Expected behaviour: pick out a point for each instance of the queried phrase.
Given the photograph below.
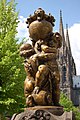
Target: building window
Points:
(64, 73)
(78, 83)
(75, 86)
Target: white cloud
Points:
(74, 35)
(22, 28)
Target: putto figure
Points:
(41, 86)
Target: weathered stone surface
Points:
(44, 113)
(56, 110)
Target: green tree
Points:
(12, 72)
(68, 106)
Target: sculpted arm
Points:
(26, 50)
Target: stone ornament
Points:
(43, 115)
(34, 115)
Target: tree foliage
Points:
(12, 72)
(68, 106)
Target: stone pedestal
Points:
(44, 113)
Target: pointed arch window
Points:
(64, 73)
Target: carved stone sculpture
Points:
(41, 86)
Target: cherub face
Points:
(39, 12)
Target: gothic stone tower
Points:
(66, 62)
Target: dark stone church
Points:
(68, 68)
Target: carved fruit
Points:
(40, 29)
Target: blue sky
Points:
(70, 9)
(71, 16)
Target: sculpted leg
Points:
(56, 88)
(30, 101)
(41, 93)
(41, 75)
(42, 98)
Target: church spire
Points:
(68, 41)
(71, 69)
(62, 53)
(61, 31)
